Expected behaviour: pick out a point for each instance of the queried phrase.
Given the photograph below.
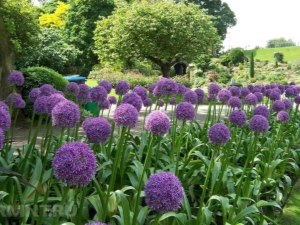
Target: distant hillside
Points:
(290, 53)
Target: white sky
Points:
(261, 20)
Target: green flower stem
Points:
(83, 193)
(13, 128)
(177, 146)
(157, 217)
(100, 194)
(220, 112)
(208, 116)
(11, 109)
(171, 153)
(111, 138)
(63, 200)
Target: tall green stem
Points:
(62, 202)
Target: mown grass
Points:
(290, 53)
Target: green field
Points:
(290, 53)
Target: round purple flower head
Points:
(157, 122)
(2, 138)
(83, 94)
(166, 87)
(133, 99)
(238, 117)
(107, 85)
(191, 97)
(52, 100)
(65, 114)
(34, 94)
(262, 110)
(244, 92)
(185, 111)
(268, 86)
(273, 86)
(268, 91)
(297, 99)
(181, 89)
(200, 94)
(47, 89)
(40, 105)
(281, 88)
(3, 106)
(259, 124)
(211, 97)
(224, 95)
(172, 101)
(263, 90)
(112, 100)
(160, 102)
(259, 96)
(234, 102)
(283, 116)
(292, 83)
(156, 92)
(163, 192)
(97, 223)
(86, 122)
(75, 164)
(98, 94)
(219, 134)
(5, 120)
(258, 88)
(289, 92)
(97, 130)
(105, 104)
(18, 102)
(213, 89)
(72, 88)
(296, 90)
(288, 104)
(274, 95)
(126, 115)
(141, 91)
(278, 106)
(250, 87)
(16, 78)
(147, 102)
(235, 91)
(151, 87)
(251, 99)
(122, 87)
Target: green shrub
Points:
(183, 80)
(278, 57)
(198, 82)
(236, 56)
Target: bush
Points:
(278, 57)
(37, 76)
(198, 82)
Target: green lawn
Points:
(290, 53)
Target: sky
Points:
(261, 20)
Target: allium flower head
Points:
(191, 97)
(235, 91)
(263, 90)
(289, 92)
(53, 100)
(262, 110)
(251, 99)
(218, 134)
(181, 89)
(18, 102)
(274, 95)
(281, 88)
(34, 94)
(200, 94)
(292, 83)
(40, 105)
(156, 92)
(166, 87)
(224, 95)
(297, 99)
(83, 94)
(105, 104)
(163, 192)
(75, 164)
(107, 85)
(172, 101)
(296, 90)
(157, 122)
(234, 102)
(151, 87)
(244, 92)
(112, 100)
(122, 87)
(2, 138)
(126, 115)
(288, 104)
(278, 106)
(47, 89)
(147, 102)
(98, 94)
(283, 116)
(5, 120)
(185, 111)
(141, 91)
(250, 87)
(97, 129)
(160, 102)
(3, 106)
(211, 97)
(268, 86)
(255, 89)
(133, 99)
(65, 114)
(238, 117)
(72, 88)
(259, 124)
(213, 89)
(273, 86)
(16, 78)
(259, 96)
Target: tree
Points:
(280, 42)
(251, 65)
(162, 32)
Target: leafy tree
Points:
(232, 57)
(280, 42)
(50, 6)
(252, 65)
(162, 32)
(278, 57)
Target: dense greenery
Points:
(280, 42)
(251, 65)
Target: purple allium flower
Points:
(213, 89)
(278, 106)
(16, 78)
(141, 91)
(151, 87)
(235, 91)
(160, 102)
(86, 122)
(273, 86)
(218, 134)
(262, 110)
(133, 99)
(292, 83)
(72, 88)
(98, 94)
(157, 122)
(172, 101)
(200, 94)
(163, 192)
(105, 104)
(18, 102)
(238, 117)
(268, 91)
(97, 223)
(65, 114)
(283, 116)
(258, 88)
(224, 95)
(255, 89)
(126, 115)
(297, 99)
(296, 90)
(281, 88)
(166, 87)
(288, 104)
(83, 94)
(47, 89)
(251, 99)
(250, 87)
(107, 85)
(181, 89)
(112, 100)
(191, 97)
(3, 106)
(259, 124)
(244, 92)
(97, 129)
(2, 138)
(263, 90)
(259, 96)
(211, 97)
(53, 100)
(185, 111)
(74, 163)
(40, 105)
(277, 89)
(122, 87)
(274, 95)
(156, 92)
(147, 102)
(234, 102)
(268, 86)
(289, 92)
(5, 120)
(34, 94)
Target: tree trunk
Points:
(165, 69)
(6, 60)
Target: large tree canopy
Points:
(280, 42)
(163, 32)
